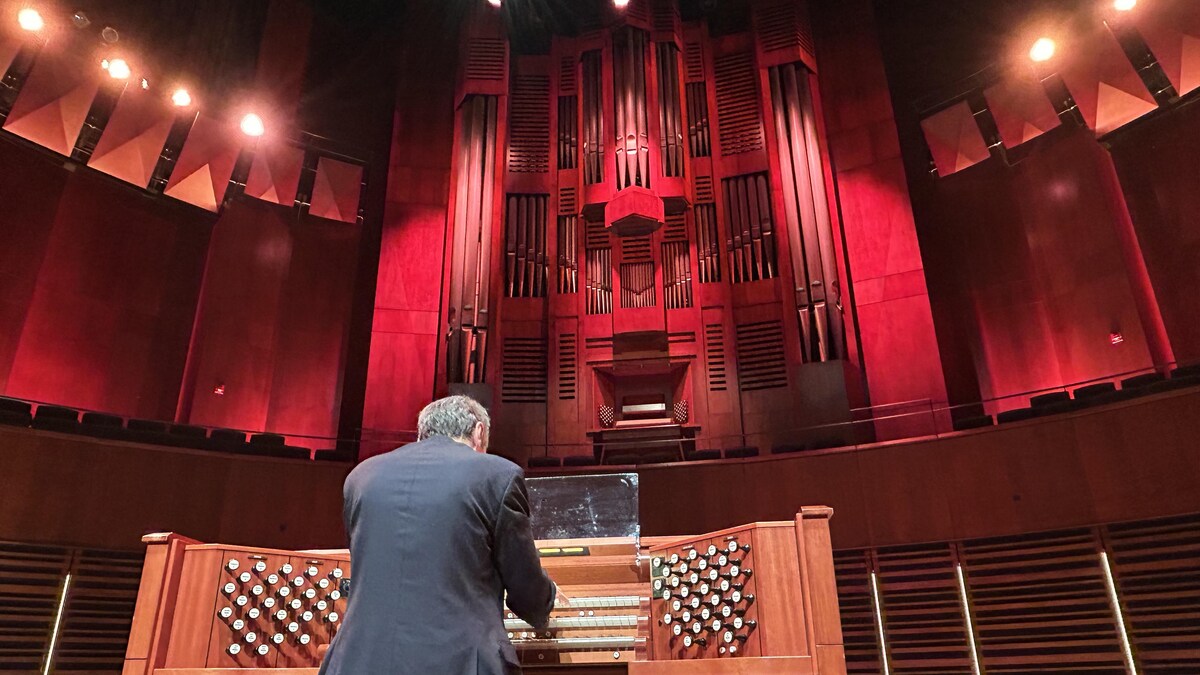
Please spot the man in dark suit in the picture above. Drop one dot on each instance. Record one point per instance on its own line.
(438, 532)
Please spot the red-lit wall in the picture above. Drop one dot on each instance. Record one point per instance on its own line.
(272, 322)
(896, 329)
(100, 286)
(1033, 268)
(1158, 162)
(400, 376)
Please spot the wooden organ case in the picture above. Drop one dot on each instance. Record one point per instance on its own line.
(641, 215)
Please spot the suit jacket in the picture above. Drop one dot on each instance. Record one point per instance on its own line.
(438, 533)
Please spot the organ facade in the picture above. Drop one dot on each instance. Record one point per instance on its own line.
(642, 250)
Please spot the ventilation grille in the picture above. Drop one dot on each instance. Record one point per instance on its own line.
(1155, 565)
(675, 228)
(737, 104)
(859, 632)
(637, 285)
(699, 139)
(593, 118)
(918, 589)
(714, 354)
(487, 59)
(524, 372)
(568, 248)
(670, 117)
(677, 275)
(760, 356)
(603, 342)
(681, 338)
(99, 611)
(751, 239)
(567, 345)
(704, 190)
(567, 203)
(566, 75)
(1040, 603)
(597, 235)
(529, 125)
(525, 246)
(782, 24)
(708, 246)
(666, 15)
(599, 281)
(635, 249)
(33, 578)
(693, 61)
(568, 131)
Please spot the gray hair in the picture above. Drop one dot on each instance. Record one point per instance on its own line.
(453, 416)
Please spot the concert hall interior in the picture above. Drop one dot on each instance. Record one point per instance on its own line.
(883, 313)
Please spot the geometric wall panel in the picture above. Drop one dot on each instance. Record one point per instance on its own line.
(205, 164)
(9, 46)
(336, 190)
(1104, 84)
(133, 139)
(1021, 109)
(54, 102)
(954, 139)
(275, 173)
(1172, 30)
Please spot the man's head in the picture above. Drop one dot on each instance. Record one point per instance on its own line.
(457, 417)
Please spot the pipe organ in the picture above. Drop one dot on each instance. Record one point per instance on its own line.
(659, 195)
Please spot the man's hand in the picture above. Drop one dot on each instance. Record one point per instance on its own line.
(560, 599)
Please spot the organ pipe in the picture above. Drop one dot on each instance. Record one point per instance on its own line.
(632, 118)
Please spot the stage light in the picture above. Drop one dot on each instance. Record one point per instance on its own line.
(181, 98)
(118, 69)
(620, 4)
(495, 3)
(30, 19)
(1042, 50)
(145, 84)
(80, 20)
(1124, 5)
(252, 125)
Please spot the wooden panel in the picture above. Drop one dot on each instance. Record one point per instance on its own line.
(923, 619)
(99, 611)
(859, 630)
(31, 579)
(529, 125)
(524, 370)
(760, 358)
(739, 114)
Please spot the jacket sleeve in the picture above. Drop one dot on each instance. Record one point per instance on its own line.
(530, 591)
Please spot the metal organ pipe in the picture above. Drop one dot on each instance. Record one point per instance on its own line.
(670, 120)
(593, 118)
(632, 116)
(468, 312)
(807, 215)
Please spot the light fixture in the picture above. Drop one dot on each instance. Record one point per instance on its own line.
(80, 20)
(110, 35)
(181, 98)
(1124, 5)
(620, 4)
(1042, 50)
(30, 19)
(252, 125)
(145, 83)
(495, 3)
(118, 69)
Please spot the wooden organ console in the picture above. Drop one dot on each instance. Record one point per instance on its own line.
(759, 598)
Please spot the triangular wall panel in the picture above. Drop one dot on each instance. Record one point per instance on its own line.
(54, 101)
(134, 137)
(954, 139)
(275, 173)
(1171, 29)
(336, 190)
(205, 164)
(1021, 110)
(1107, 89)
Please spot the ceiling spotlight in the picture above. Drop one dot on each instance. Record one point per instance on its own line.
(1042, 50)
(252, 125)
(30, 19)
(118, 69)
(110, 34)
(1124, 5)
(145, 83)
(80, 20)
(495, 3)
(620, 4)
(181, 98)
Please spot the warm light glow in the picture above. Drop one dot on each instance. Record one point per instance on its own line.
(1124, 5)
(30, 19)
(1043, 50)
(495, 3)
(252, 125)
(181, 98)
(118, 69)
(620, 4)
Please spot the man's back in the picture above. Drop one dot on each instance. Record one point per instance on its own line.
(437, 533)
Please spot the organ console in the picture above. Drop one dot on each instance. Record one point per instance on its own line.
(759, 598)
